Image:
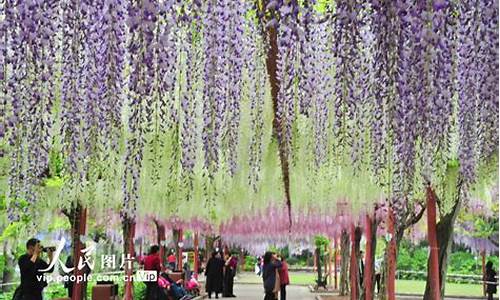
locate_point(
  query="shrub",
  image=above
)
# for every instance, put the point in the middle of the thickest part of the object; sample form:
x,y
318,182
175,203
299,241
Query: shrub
x,y
250,262
293,261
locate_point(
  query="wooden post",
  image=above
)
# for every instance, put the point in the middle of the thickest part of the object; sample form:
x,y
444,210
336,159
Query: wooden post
x,y
354,271
368,276
335,263
79,230
196,256
391,259
433,271
483,259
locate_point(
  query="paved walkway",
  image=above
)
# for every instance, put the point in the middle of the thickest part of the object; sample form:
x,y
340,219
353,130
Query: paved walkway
x,y
255,292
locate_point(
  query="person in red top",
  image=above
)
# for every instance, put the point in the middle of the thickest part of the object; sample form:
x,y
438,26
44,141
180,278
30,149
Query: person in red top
x,y
171,260
152,262
230,272
284,279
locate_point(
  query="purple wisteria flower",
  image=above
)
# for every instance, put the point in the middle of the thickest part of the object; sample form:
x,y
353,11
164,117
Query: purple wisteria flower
x,y
236,43
405,117
467,88
319,88
289,35
349,53
141,21
488,79
381,24
223,51
29,34
255,65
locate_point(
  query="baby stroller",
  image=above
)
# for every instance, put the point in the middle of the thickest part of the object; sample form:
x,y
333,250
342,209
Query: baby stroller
x,y
171,290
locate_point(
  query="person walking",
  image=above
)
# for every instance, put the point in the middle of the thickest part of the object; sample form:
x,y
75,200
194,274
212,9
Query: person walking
x,y
490,278
258,266
284,278
270,276
214,275
32,269
229,273
152,262
361,266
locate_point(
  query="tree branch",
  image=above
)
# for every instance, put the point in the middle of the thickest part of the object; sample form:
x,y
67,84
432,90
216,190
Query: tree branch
x,y
416,217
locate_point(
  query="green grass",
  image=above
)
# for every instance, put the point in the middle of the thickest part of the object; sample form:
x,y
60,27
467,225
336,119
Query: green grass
x,y
402,286
452,289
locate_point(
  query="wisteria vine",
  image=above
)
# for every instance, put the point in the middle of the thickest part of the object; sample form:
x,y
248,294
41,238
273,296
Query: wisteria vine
x,y
160,91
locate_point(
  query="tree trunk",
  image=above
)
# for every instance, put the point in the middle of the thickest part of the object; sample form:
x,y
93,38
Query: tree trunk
x,y
432,265
179,249
196,256
344,264
209,246
371,245
483,270
160,240
177,233
8,270
444,238
354,268
272,71
315,261
77,217
335,263
329,263
128,226
391,257
407,221
317,254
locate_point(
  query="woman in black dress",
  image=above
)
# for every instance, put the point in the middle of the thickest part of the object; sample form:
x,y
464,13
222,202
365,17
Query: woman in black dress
x,y
490,278
269,275
214,275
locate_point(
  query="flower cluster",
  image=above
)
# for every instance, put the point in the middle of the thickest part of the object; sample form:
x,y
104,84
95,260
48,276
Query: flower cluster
x,y
29,42
176,93
289,36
